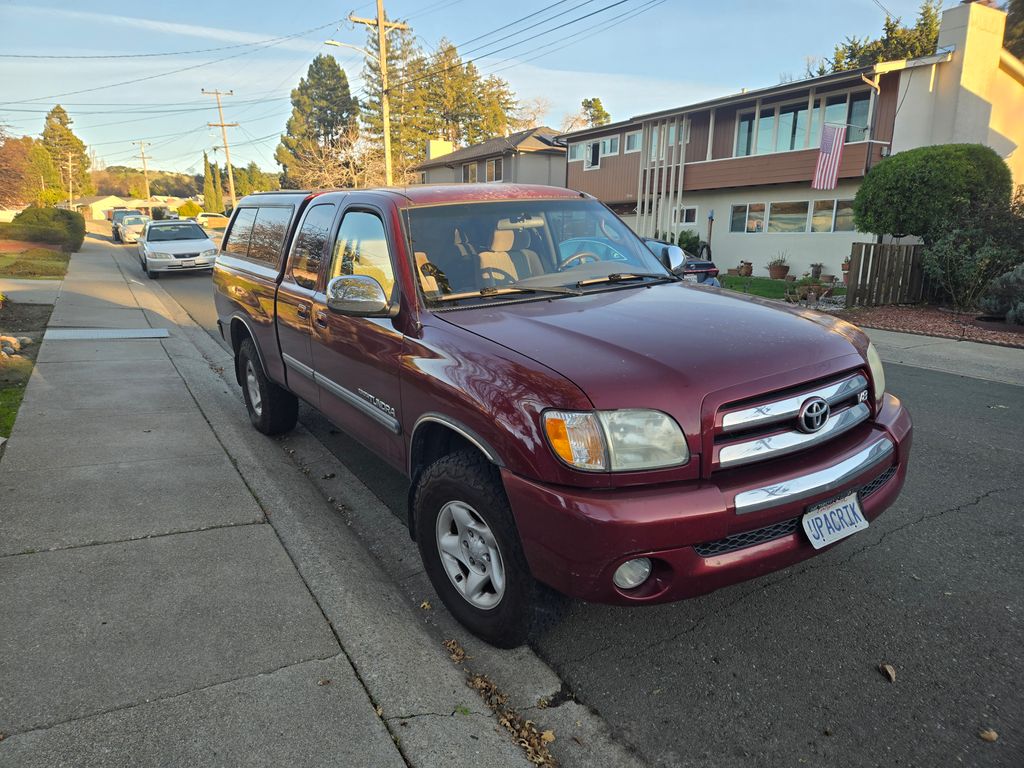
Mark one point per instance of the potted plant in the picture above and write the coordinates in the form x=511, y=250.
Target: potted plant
x=816, y=270
x=746, y=268
x=846, y=271
x=778, y=267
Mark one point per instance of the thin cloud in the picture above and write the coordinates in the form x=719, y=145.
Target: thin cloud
x=164, y=27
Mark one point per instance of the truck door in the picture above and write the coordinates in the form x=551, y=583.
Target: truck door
x=357, y=358
x=295, y=298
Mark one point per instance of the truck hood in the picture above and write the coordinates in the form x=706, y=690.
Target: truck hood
x=666, y=346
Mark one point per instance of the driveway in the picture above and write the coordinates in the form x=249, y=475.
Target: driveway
x=783, y=671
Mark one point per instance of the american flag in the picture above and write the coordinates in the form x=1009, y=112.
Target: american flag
x=827, y=173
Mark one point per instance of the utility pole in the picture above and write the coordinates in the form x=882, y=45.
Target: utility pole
x=224, y=134
x=145, y=168
x=71, y=184
x=383, y=27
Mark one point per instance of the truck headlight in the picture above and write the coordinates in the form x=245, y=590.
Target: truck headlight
x=627, y=440
x=877, y=373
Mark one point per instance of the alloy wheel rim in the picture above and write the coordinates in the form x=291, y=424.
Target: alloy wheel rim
x=470, y=555
x=253, y=385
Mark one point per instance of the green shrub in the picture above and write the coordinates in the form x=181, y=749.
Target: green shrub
x=917, y=192
x=70, y=223
x=189, y=210
x=1016, y=315
x=1004, y=293
x=963, y=262
x=689, y=241
x=30, y=234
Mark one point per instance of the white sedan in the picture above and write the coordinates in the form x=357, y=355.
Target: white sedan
x=175, y=246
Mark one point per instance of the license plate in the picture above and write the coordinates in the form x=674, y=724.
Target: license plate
x=827, y=523
x=188, y=262
x=689, y=278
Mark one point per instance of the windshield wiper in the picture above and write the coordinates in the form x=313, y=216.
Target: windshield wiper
x=502, y=290
x=622, y=277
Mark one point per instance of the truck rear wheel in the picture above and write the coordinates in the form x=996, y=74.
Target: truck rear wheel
x=471, y=551
x=272, y=410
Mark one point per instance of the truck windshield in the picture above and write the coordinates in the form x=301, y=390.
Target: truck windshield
x=183, y=231
x=498, y=249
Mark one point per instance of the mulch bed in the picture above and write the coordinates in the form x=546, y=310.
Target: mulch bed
x=932, y=321
x=17, y=246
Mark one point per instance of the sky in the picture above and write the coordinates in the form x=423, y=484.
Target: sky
x=635, y=55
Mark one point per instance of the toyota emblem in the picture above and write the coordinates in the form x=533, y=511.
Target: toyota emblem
x=813, y=414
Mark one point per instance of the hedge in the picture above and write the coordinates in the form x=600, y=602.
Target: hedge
x=30, y=234
x=47, y=225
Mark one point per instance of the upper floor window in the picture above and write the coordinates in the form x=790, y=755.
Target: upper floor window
x=469, y=173
x=599, y=148
x=656, y=150
x=633, y=142
x=785, y=127
x=575, y=152
x=494, y=169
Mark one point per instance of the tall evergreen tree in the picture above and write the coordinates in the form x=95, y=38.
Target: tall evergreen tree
x=1013, y=38
x=897, y=42
x=61, y=143
x=595, y=112
x=218, y=189
x=209, y=196
x=323, y=110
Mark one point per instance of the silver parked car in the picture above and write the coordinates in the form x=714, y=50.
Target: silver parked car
x=175, y=246
x=131, y=228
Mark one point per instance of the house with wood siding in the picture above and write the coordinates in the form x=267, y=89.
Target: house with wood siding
x=526, y=157
x=737, y=170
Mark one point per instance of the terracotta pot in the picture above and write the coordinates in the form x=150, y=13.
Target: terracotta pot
x=778, y=271
x=846, y=278
x=733, y=271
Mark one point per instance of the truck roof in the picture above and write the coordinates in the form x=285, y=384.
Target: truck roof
x=432, y=194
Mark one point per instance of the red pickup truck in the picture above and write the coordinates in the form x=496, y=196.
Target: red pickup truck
x=569, y=412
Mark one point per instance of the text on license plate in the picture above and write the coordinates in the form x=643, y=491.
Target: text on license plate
x=828, y=523
x=689, y=278
x=188, y=262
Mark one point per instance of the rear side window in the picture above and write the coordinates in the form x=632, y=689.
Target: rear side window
x=237, y=241
x=310, y=245
x=268, y=235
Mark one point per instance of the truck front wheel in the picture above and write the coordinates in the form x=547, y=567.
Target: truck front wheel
x=471, y=550
x=272, y=410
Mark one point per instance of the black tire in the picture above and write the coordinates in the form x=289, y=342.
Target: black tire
x=152, y=275
x=467, y=477
x=278, y=409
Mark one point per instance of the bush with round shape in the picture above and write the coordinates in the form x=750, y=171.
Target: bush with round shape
x=1004, y=293
x=70, y=225
x=189, y=210
x=918, y=191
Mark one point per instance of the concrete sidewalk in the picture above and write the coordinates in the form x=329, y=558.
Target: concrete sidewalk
x=964, y=358
x=152, y=613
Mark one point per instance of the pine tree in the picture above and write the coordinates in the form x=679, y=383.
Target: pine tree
x=595, y=112
x=323, y=110
x=897, y=42
x=1013, y=38
x=61, y=143
x=218, y=189
x=209, y=196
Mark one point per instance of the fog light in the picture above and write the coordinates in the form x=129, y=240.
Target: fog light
x=632, y=573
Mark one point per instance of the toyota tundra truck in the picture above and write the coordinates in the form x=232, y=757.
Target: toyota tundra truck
x=528, y=363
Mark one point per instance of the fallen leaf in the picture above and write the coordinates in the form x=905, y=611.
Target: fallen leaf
x=889, y=671
x=425, y=605
x=379, y=710
x=323, y=681
x=987, y=734
x=548, y=736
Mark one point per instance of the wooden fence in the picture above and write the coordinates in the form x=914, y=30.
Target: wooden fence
x=885, y=273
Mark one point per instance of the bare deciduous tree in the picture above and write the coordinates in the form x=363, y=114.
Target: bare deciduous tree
x=530, y=114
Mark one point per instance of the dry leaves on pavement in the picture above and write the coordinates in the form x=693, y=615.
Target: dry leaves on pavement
x=987, y=734
x=889, y=671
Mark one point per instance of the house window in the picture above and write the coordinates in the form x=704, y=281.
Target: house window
x=633, y=141
x=788, y=217
x=744, y=135
x=421, y=177
x=857, y=117
x=494, y=169
x=610, y=146
x=747, y=218
x=469, y=173
x=844, y=216
x=657, y=151
x=575, y=152
x=592, y=156
x=792, y=127
x=821, y=219
x=686, y=215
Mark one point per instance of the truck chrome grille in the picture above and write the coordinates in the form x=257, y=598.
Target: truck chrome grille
x=775, y=531
x=769, y=427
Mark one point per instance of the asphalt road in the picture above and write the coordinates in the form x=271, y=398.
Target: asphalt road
x=783, y=671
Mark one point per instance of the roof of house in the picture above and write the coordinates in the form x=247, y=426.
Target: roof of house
x=90, y=199
x=532, y=140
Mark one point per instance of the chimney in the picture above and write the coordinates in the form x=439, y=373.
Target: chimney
x=438, y=147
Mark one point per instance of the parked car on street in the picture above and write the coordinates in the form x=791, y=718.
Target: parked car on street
x=212, y=220
x=175, y=246
x=694, y=269
x=115, y=221
x=131, y=228
x=516, y=353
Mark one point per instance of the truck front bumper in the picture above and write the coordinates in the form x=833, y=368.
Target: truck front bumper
x=705, y=534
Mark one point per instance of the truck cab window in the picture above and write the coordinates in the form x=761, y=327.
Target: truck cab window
x=362, y=249
x=237, y=241
x=268, y=235
x=310, y=244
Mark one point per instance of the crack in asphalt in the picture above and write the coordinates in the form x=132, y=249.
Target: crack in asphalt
x=698, y=623
x=434, y=714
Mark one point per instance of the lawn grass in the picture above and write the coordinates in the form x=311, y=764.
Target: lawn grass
x=763, y=286
x=13, y=378
x=34, y=263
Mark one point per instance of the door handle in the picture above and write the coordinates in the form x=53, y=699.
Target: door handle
x=302, y=310
x=321, y=319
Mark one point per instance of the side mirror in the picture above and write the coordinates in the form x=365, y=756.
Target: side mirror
x=673, y=258
x=358, y=295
